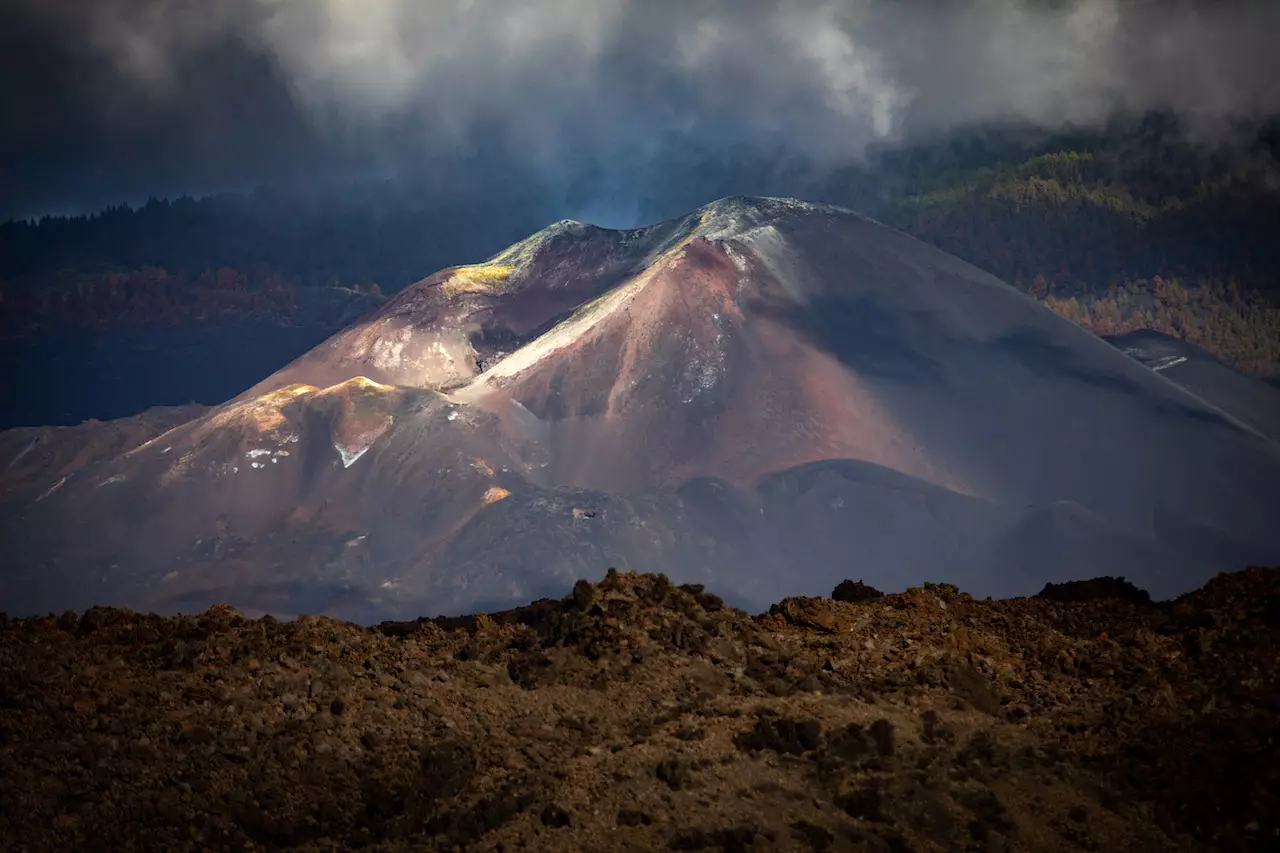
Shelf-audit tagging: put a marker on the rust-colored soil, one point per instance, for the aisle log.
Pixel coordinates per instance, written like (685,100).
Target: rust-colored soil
(635,715)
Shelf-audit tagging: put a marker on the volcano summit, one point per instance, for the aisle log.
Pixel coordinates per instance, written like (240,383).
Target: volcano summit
(766,396)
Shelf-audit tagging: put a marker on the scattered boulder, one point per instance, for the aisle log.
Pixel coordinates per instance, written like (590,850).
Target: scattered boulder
(855,592)
(1094,589)
(786,736)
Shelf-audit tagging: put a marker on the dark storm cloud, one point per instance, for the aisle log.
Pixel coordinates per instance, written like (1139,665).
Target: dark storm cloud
(122,98)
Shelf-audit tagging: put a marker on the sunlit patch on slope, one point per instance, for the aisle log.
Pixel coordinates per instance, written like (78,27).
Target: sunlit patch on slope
(387,351)
(771,249)
(493,494)
(358,384)
(738,259)
(733,217)
(479,278)
(208,445)
(401,348)
(49,491)
(522,253)
(262,413)
(362,416)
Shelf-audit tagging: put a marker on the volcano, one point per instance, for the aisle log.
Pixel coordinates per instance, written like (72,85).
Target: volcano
(766,396)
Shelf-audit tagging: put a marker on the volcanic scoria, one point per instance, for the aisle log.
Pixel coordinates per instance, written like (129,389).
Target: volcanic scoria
(637,715)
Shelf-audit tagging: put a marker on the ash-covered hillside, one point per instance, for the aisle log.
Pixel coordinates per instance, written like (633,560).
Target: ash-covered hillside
(765,396)
(637,715)
(1251,399)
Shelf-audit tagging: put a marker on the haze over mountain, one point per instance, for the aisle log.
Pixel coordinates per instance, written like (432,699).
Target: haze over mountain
(767,395)
(584,101)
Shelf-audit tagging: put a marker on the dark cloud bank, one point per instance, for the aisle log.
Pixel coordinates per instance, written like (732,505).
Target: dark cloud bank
(589,100)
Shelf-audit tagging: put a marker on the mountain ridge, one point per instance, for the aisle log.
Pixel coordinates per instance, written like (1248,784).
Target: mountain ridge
(724,393)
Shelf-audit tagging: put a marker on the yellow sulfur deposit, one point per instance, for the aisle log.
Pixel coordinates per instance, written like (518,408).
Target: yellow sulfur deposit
(481,278)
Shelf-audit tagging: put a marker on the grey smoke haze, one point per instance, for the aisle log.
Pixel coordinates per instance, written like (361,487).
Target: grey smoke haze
(121,98)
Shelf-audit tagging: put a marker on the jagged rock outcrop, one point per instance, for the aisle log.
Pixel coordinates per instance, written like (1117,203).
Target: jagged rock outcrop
(639,715)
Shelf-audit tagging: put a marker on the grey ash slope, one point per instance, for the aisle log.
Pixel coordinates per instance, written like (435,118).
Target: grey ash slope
(766,395)
(1254,401)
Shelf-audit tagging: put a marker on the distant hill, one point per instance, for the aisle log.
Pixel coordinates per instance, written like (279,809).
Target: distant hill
(116,344)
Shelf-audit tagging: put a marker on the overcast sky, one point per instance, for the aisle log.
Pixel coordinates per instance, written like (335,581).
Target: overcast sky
(119,99)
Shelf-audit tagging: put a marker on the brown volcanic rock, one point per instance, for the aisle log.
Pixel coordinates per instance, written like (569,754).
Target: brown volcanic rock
(855,591)
(1093,589)
(636,715)
(766,396)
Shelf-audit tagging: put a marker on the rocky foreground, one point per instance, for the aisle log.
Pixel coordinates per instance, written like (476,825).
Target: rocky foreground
(636,715)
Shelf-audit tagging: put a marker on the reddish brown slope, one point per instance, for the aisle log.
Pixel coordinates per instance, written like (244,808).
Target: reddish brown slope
(684,372)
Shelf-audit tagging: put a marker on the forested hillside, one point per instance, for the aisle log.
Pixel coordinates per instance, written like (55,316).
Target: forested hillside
(1119,236)
(267,254)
